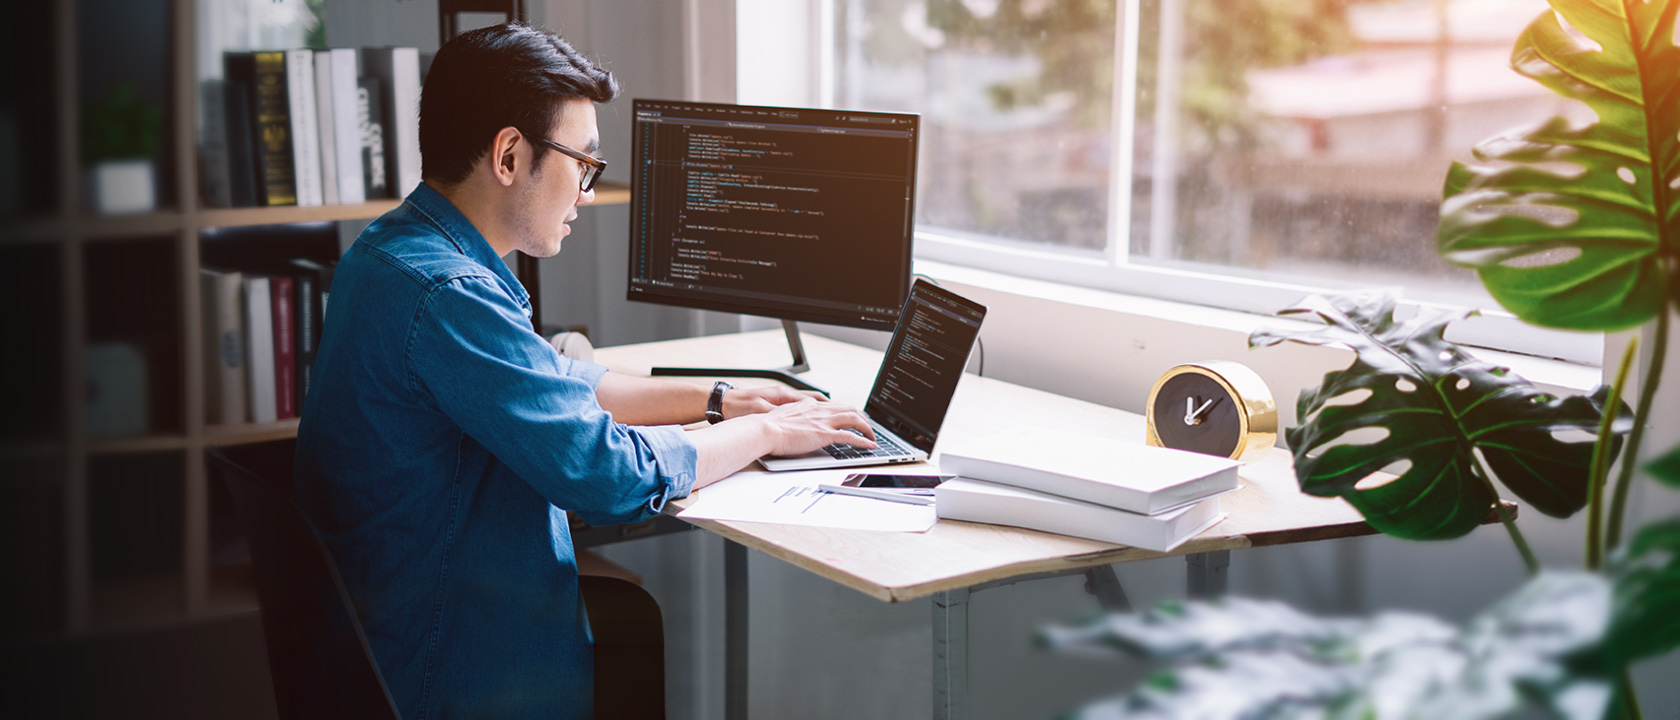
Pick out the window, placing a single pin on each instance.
(1238, 153)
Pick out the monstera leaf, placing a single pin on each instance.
(1433, 406)
(1568, 226)
(1666, 469)
(1238, 659)
(1646, 620)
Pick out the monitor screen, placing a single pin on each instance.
(790, 213)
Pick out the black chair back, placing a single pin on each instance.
(318, 655)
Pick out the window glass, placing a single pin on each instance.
(1300, 141)
(1016, 101)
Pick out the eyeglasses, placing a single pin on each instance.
(592, 166)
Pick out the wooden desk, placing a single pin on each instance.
(954, 558)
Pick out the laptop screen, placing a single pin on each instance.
(925, 359)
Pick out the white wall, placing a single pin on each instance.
(647, 45)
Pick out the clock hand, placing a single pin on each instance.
(1192, 417)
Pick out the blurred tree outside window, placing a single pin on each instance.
(1297, 141)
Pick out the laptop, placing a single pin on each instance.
(929, 349)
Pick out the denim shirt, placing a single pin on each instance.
(442, 442)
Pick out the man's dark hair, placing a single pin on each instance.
(509, 75)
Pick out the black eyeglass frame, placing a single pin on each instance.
(594, 166)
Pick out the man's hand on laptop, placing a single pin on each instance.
(790, 428)
(750, 401)
(809, 424)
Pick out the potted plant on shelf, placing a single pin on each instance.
(120, 137)
(1572, 227)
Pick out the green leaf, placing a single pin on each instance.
(1666, 469)
(1568, 226)
(1239, 658)
(1646, 622)
(122, 126)
(1433, 405)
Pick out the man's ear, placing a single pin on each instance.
(505, 156)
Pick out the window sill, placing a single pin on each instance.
(1203, 329)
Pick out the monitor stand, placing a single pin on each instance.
(782, 374)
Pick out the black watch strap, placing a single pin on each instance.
(714, 404)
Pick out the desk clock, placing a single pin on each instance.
(1215, 407)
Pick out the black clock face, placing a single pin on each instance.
(1216, 429)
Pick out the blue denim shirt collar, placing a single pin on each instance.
(430, 204)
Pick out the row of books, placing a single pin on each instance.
(312, 127)
(1125, 493)
(260, 334)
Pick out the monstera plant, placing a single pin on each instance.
(1571, 226)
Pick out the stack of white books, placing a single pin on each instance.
(1086, 486)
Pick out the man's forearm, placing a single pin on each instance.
(727, 447)
(651, 401)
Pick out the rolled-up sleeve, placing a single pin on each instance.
(472, 352)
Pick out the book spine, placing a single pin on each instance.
(307, 306)
(398, 72)
(224, 347)
(239, 69)
(259, 350)
(405, 97)
(285, 352)
(273, 131)
(970, 501)
(306, 140)
(326, 129)
(213, 154)
(346, 129)
(321, 274)
(370, 118)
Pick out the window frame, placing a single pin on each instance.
(1112, 268)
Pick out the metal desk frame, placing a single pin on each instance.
(1206, 578)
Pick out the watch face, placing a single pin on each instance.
(1194, 412)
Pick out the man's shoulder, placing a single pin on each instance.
(422, 253)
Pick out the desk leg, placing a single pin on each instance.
(950, 655)
(735, 630)
(1207, 573)
(1101, 582)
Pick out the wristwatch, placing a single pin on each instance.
(714, 404)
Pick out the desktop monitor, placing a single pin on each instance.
(798, 214)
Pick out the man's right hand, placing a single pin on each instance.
(806, 425)
(792, 428)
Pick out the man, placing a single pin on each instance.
(443, 441)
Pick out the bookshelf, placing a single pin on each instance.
(116, 531)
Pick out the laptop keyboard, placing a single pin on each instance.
(884, 447)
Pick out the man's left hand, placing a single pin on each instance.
(749, 401)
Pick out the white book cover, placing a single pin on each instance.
(224, 346)
(325, 129)
(405, 97)
(979, 501)
(1107, 471)
(347, 132)
(259, 350)
(306, 142)
(398, 68)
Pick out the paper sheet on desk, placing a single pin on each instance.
(792, 498)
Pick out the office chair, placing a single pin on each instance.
(318, 656)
